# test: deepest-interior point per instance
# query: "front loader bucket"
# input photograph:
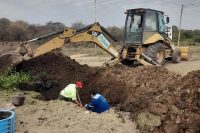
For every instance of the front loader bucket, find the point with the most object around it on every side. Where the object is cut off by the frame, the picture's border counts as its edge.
(185, 53)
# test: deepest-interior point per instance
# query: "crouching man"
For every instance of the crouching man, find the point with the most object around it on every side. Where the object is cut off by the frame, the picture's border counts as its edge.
(70, 93)
(98, 103)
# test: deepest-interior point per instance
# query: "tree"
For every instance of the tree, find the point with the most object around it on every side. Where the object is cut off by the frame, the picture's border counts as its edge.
(31, 31)
(55, 26)
(21, 24)
(195, 32)
(16, 32)
(116, 32)
(4, 24)
(197, 39)
(78, 25)
(187, 34)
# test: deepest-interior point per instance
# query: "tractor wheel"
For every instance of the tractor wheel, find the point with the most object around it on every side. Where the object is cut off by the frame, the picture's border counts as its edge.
(156, 52)
(176, 55)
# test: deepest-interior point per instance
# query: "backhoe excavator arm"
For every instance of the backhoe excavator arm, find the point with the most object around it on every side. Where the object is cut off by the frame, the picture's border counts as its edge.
(92, 33)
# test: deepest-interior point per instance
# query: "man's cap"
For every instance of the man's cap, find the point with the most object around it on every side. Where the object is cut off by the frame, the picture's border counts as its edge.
(79, 84)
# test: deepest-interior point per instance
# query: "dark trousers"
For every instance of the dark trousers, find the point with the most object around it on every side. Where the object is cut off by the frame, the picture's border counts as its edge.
(60, 97)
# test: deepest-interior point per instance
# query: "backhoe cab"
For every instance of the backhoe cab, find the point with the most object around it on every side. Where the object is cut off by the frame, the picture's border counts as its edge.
(143, 23)
(145, 34)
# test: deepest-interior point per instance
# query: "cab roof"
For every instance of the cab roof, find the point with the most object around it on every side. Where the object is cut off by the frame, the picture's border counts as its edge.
(143, 9)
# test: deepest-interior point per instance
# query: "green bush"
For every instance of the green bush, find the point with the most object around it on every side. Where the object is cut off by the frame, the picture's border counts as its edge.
(13, 79)
(196, 39)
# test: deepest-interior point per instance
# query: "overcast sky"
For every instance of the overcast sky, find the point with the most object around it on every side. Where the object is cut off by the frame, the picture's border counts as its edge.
(109, 12)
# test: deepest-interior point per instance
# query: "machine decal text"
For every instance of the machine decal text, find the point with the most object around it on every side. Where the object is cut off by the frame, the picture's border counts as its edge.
(104, 41)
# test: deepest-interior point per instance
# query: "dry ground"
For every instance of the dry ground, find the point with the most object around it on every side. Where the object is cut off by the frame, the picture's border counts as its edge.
(55, 116)
(182, 68)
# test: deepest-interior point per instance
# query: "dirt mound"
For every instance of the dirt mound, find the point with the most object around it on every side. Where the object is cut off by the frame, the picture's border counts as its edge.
(132, 87)
(179, 105)
(187, 93)
(188, 90)
(54, 71)
(148, 92)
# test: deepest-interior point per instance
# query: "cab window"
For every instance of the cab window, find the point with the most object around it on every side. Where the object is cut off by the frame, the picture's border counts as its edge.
(150, 24)
(161, 23)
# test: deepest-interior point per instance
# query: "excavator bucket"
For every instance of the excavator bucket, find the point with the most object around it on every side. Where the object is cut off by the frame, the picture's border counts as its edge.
(9, 60)
(185, 53)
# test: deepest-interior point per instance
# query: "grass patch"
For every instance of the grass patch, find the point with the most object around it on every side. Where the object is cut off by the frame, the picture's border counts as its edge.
(12, 80)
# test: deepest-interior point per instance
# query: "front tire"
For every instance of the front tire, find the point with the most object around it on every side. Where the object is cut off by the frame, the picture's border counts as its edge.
(156, 52)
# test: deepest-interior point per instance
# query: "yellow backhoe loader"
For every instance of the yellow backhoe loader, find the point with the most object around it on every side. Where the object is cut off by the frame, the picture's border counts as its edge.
(145, 40)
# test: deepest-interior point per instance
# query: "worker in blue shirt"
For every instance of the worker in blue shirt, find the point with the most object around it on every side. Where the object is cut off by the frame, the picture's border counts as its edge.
(98, 103)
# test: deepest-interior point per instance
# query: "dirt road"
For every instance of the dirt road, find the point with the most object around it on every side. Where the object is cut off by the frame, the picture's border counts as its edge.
(94, 61)
(182, 68)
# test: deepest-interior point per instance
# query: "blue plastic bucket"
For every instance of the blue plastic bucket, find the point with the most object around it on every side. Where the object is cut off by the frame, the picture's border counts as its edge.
(7, 121)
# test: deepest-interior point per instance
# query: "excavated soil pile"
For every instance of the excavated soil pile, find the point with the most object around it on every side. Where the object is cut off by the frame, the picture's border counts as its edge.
(52, 72)
(176, 108)
(134, 87)
(158, 100)
(183, 103)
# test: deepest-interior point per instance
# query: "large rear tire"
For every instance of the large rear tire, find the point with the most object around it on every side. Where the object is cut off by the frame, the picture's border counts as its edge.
(156, 52)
